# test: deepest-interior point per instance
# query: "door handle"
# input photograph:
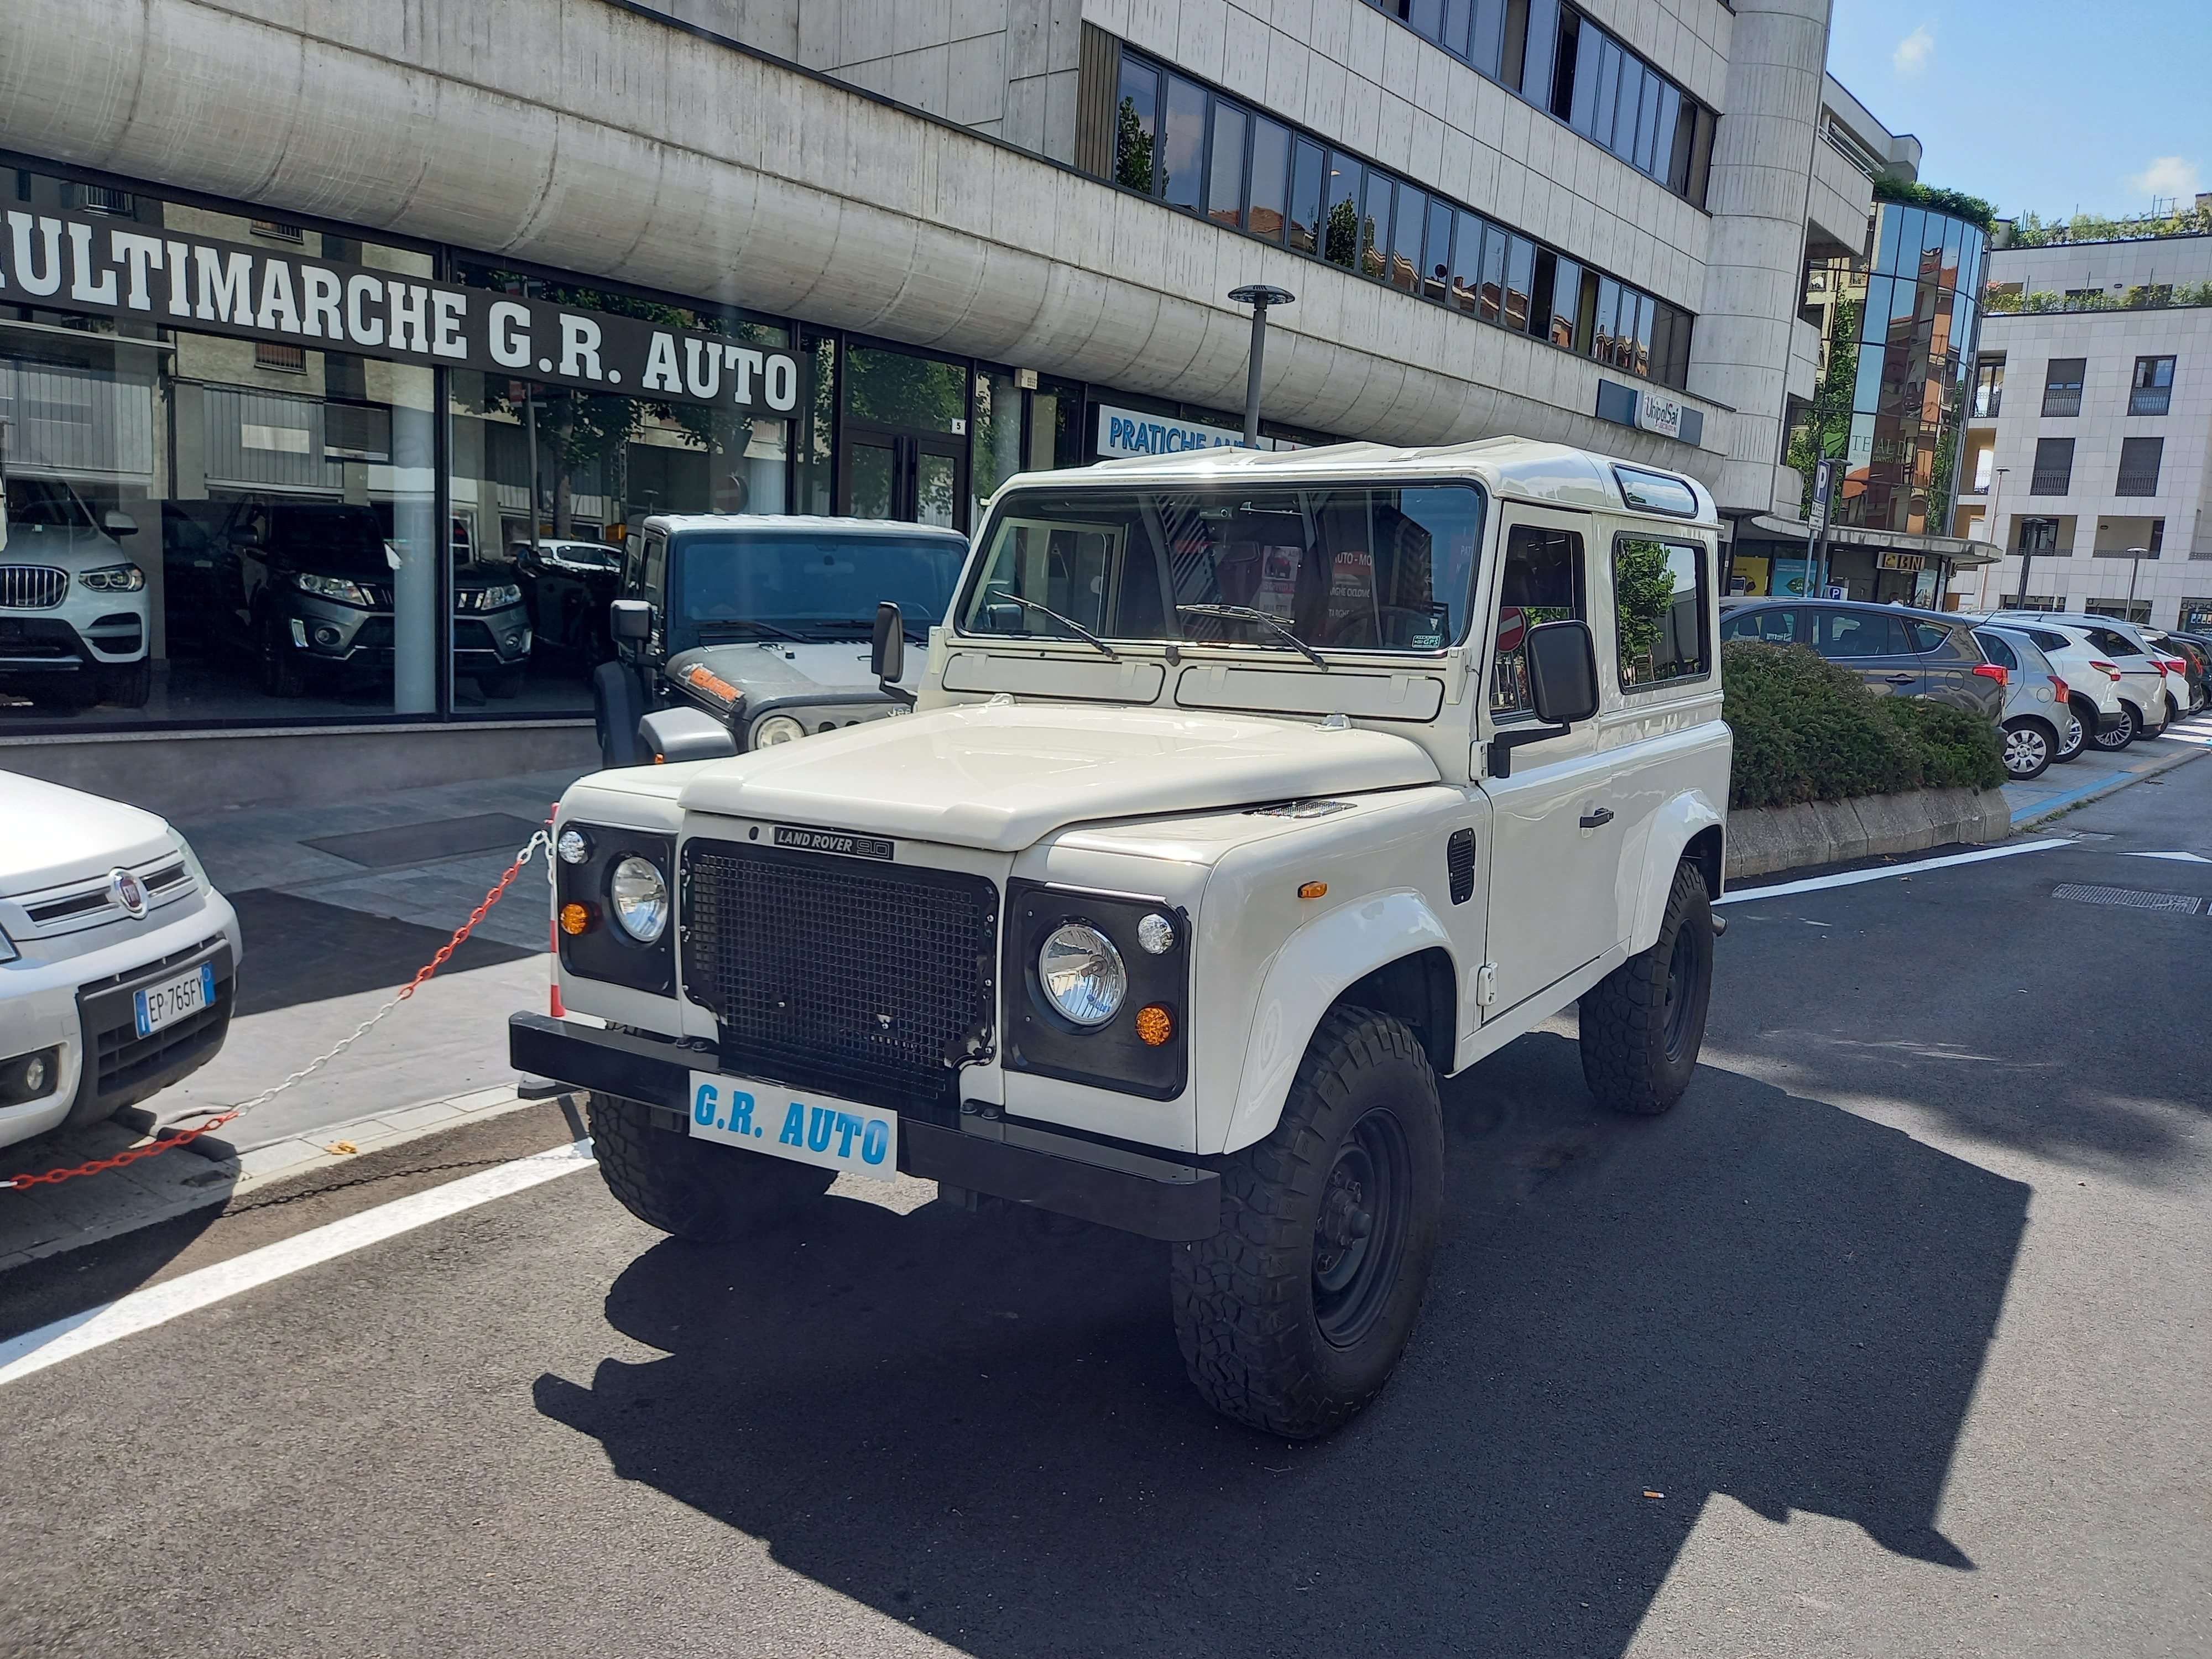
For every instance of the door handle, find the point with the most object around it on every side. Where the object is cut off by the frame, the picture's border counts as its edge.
(1898, 679)
(1597, 817)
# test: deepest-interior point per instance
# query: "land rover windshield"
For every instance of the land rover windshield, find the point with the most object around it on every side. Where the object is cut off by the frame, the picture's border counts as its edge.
(726, 587)
(1343, 567)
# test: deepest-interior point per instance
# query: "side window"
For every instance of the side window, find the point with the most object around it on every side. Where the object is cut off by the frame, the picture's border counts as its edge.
(2047, 642)
(1660, 595)
(653, 577)
(1927, 636)
(1843, 634)
(1999, 651)
(1766, 625)
(1543, 581)
(2115, 645)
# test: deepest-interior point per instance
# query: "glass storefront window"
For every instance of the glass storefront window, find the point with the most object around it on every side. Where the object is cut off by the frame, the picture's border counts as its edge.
(260, 520)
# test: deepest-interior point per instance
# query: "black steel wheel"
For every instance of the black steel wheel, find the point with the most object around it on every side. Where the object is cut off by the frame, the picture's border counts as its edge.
(1644, 1023)
(1293, 1317)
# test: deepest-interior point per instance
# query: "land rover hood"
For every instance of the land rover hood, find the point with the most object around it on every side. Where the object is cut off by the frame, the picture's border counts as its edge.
(999, 777)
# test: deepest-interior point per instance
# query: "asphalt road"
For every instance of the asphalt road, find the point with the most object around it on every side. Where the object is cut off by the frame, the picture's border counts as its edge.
(1904, 1310)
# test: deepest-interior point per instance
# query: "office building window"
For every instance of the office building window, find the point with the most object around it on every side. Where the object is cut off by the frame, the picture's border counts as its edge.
(285, 359)
(2156, 541)
(1989, 390)
(2038, 535)
(2153, 392)
(2139, 464)
(1564, 64)
(2062, 386)
(1261, 178)
(2054, 467)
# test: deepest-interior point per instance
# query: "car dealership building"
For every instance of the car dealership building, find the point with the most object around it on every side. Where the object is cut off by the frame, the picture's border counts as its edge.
(405, 310)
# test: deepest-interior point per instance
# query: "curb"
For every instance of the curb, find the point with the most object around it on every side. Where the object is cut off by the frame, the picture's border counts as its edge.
(2041, 809)
(1766, 841)
(220, 1172)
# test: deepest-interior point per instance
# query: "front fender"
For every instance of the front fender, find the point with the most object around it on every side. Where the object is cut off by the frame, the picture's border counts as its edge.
(1672, 829)
(1307, 976)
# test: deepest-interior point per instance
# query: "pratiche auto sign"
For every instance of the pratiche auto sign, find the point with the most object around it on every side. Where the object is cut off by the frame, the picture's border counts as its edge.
(151, 274)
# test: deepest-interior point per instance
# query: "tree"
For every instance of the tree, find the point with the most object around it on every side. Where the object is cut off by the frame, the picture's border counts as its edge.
(1132, 155)
(1644, 593)
(1825, 432)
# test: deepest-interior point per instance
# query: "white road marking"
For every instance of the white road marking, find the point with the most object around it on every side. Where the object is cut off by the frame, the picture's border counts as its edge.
(2178, 858)
(158, 1304)
(1853, 878)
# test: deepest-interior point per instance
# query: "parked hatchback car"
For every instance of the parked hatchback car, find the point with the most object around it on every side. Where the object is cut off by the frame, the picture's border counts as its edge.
(2193, 657)
(1896, 651)
(2093, 682)
(2038, 727)
(118, 958)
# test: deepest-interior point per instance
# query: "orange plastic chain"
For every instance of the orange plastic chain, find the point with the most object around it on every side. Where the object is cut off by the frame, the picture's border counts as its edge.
(185, 1136)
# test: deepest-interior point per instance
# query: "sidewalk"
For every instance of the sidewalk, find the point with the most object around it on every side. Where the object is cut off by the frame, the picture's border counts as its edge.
(2093, 772)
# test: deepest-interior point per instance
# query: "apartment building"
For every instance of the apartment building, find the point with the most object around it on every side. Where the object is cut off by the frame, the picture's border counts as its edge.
(2089, 440)
(898, 251)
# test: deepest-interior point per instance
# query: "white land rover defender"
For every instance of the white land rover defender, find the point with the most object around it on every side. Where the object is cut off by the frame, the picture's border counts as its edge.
(1246, 796)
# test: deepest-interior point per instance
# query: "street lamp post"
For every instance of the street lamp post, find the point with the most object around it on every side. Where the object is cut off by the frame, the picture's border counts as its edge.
(2136, 556)
(1997, 536)
(1259, 296)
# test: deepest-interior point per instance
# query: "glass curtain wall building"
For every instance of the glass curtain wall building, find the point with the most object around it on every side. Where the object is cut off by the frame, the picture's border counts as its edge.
(1898, 349)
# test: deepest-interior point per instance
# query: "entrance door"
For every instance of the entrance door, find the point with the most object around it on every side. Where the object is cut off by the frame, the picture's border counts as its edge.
(918, 478)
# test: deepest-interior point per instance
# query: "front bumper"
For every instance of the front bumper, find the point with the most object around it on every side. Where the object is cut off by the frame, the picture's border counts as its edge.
(1113, 1186)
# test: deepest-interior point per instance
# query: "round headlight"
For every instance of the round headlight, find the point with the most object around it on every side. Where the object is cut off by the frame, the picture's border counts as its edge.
(776, 728)
(1156, 934)
(575, 847)
(639, 899)
(1082, 973)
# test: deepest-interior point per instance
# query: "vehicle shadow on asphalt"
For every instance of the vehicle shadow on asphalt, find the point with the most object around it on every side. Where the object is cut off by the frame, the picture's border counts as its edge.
(300, 950)
(979, 1424)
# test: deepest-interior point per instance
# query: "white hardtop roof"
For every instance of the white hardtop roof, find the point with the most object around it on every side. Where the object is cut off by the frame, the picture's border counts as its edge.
(769, 524)
(1520, 469)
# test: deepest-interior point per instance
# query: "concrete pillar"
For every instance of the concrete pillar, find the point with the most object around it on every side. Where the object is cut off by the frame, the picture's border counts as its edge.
(419, 543)
(1759, 195)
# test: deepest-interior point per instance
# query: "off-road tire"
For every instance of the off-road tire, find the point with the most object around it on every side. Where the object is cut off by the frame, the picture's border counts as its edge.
(1640, 1045)
(1253, 1321)
(695, 1189)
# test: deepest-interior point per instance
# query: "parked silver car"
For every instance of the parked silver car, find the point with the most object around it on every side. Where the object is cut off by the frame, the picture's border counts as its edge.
(2037, 725)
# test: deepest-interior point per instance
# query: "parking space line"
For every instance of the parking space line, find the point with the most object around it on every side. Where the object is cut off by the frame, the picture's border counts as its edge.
(1853, 878)
(158, 1304)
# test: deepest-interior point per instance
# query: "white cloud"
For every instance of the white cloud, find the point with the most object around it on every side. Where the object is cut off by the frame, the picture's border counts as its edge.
(1914, 52)
(2169, 175)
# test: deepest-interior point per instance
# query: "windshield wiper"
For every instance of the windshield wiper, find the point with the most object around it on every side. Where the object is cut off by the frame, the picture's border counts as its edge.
(1247, 614)
(1068, 623)
(707, 629)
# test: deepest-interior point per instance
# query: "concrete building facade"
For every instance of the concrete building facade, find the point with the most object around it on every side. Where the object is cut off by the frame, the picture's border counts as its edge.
(2089, 443)
(975, 235)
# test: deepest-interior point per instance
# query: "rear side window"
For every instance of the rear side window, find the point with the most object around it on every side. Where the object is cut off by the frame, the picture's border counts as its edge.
(1770, 626)
(2111, 644)
(1844, 635)
(1659, 593)
(1999, 653)
(2049, 642)
(1541, 582)
(1925, 636)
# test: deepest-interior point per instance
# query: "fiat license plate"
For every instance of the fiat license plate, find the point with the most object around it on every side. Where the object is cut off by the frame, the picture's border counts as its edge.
(165, 1004)
(804, 1127)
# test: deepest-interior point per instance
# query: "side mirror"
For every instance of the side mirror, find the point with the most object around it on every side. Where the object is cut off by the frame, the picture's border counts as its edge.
(1562, 672)
(120, 524)
(1562, 658)
(685, 734)
(630, 621)
(887, 653)
(247, 535)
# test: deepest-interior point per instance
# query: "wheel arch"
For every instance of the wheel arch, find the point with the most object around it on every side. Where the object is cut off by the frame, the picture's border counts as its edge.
(1688, 826)
(1392, 949)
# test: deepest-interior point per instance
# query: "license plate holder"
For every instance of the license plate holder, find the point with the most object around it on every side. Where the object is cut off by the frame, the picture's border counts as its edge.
(160, 1005)
(799, 1124)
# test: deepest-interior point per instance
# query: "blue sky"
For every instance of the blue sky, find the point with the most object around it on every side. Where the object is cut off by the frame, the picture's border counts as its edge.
(2048, 105)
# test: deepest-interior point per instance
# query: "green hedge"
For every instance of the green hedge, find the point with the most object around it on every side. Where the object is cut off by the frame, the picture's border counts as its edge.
(1807, 729)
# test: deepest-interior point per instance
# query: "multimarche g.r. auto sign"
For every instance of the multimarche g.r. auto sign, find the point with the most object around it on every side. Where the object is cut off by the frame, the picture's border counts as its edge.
(151, 274)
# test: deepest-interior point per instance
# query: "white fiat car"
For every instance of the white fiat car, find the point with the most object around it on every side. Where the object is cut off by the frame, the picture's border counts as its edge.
(118, 958)
(1246, 797)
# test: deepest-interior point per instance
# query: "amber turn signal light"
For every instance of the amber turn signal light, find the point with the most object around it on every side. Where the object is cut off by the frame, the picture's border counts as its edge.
(1313, 890)
(1155, 1026)
(576, 918)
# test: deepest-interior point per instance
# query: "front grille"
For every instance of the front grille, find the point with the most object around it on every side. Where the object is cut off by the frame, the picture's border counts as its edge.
(32, 586)
(838, 973)
(126, 1060)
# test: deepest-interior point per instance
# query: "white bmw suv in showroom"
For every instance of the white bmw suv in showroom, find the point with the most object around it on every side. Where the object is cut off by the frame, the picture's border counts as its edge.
(117, 959)
(74, 624)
